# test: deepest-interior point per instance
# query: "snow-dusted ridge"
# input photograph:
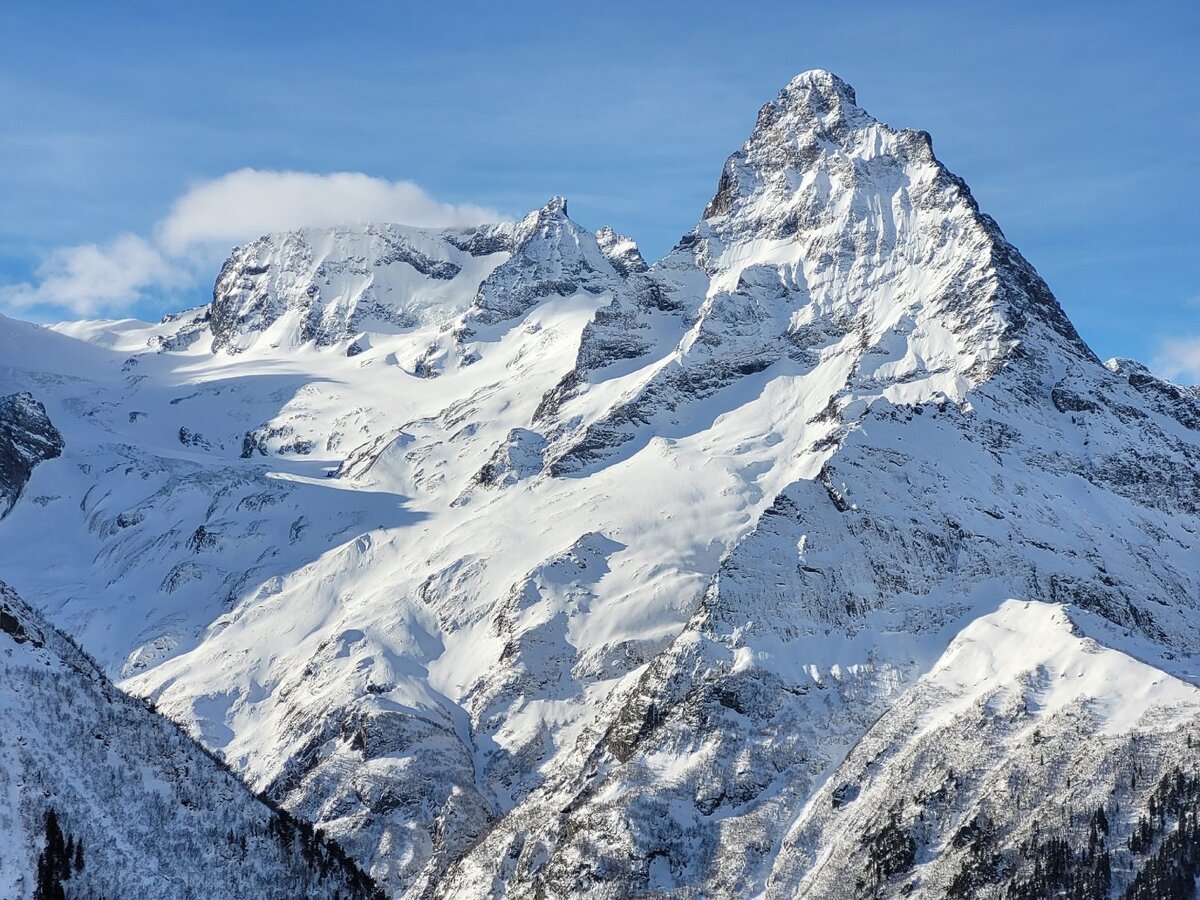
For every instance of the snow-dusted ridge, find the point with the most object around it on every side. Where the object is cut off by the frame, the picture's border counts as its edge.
(1021, 713)
(524, 568)
(154, 814)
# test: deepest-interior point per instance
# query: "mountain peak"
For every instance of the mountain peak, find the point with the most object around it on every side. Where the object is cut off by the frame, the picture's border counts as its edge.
(818, 83)
(553, 213)
(842, 200)
(550, 220)
(556, 206)
(815, 100)
(620, 250)
(787, 137)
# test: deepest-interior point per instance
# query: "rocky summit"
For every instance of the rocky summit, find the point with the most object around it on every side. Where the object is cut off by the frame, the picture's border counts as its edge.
(819, 558)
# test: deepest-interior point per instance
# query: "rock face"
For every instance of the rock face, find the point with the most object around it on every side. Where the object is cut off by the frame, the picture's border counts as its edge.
(152, 813)
(525, 569)
(621, 251)
(326, 287)
(834, 246)
(26, 439)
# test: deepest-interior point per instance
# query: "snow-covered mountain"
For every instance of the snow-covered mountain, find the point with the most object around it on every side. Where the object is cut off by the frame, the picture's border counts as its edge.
(820, 557)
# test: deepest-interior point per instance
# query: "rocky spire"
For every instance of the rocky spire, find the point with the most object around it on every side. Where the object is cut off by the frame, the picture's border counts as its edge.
(621, 251)
(813, 120)
(551, 254)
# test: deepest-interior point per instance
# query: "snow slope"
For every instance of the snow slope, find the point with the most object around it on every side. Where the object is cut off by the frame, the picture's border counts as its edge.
(1024, 728)
(524, 568)
(156, 815)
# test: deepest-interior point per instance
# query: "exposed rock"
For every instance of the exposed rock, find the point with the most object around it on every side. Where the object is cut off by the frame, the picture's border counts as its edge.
(520, 456)
(27, 438)
(621, 251)
(325, 287)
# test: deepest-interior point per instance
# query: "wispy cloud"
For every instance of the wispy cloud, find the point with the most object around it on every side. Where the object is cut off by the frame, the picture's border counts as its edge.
(105, 278)
(1179, 359)
(90, 278)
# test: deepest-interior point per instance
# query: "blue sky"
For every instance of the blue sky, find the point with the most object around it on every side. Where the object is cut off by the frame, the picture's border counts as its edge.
(1078, 128)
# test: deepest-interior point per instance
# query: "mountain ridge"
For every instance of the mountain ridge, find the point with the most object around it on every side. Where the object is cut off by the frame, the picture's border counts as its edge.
(135, 792)
(619, 564)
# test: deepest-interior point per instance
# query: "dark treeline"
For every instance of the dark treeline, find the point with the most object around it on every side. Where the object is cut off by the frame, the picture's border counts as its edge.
(60, 859)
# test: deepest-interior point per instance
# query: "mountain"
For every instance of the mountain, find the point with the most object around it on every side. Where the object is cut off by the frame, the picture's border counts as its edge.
(820, 557)
(144, 809)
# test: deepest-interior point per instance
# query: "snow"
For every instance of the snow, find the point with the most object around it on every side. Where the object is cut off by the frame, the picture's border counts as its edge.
(1017, 687)
(470, 533)
(1039, 641)
(154, 813)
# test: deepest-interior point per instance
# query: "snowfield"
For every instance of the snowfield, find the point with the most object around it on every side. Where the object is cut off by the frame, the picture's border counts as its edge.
(523, 568)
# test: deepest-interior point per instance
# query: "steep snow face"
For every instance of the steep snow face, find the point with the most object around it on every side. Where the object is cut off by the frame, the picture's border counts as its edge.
(564, 576)
(157, 816)
(838, 256)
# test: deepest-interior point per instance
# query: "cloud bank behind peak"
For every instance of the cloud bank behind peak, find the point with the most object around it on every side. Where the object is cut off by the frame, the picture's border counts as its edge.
(106, 278)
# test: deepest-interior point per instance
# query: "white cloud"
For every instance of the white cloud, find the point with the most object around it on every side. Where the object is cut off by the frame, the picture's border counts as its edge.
(251, 202)
(1179, 359)
(202, 225)
(89, 278)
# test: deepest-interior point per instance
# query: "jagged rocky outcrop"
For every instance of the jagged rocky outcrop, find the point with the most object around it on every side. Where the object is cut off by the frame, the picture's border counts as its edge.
(550, 257)
(641, 579)
(520, 456)
(621, 251)
(27, 438)
(1177, 401)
